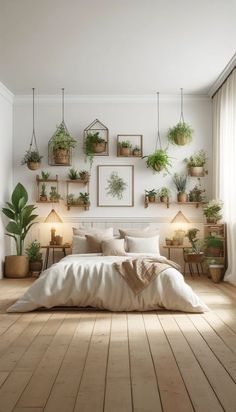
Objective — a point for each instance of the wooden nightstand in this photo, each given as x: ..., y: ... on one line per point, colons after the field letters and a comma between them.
x: 53, y: 247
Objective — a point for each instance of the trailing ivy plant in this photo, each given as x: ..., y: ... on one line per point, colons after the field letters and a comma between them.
x: 159, y: 160
x: 90, y: 141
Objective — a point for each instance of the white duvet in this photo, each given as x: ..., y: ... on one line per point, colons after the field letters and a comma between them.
x: 92, y: 280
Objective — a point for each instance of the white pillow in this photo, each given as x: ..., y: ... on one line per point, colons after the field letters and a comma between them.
x: 82, y: 231
x: 79, y: 245
x: 143, y: 244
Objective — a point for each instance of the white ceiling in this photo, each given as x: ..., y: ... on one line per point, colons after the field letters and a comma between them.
x: 115, y: 46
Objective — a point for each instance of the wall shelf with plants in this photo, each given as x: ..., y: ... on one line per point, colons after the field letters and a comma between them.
x: 129, y: 145
x: 75, y: 199
x: 161, y: 196
x: 45, y: 192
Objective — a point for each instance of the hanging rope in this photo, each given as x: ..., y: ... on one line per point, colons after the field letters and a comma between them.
x: 182, y: 106
x: 33, y: 138
x: 63, y: 104
x: 158, y: 139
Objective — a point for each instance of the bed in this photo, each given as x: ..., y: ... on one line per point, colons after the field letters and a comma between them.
x: 92, y: 280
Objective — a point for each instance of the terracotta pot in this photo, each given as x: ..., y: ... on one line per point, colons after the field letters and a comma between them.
x: 164, y: 199
x: 43, y: 198
x: 16, y: 266
x: 61, y: 156
x: 36, y: 266
x: 193, y: 257
x: 214, y: 251
x: 212, y: 220
x: 137, y: 153
x: 33, y: 165
x: 125, y: 151
x: 216, y: 272
x: 182, y: 197
x: 196, y: 171
x: 151, y: 199
x: 181, y: 139
x: 99, y: 147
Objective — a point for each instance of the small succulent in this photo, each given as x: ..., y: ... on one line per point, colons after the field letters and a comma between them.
x: 73, y: 174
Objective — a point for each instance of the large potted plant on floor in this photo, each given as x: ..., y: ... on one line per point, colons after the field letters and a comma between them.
x: 21, y: 220
x: 212, y: 211
x: 194, y: 254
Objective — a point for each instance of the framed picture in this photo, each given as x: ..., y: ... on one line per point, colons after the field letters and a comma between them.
x: 115, y: 185
x: 129, y: 145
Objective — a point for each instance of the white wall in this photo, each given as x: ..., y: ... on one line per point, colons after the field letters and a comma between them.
x: 121, y: 115
x: 6, y: 122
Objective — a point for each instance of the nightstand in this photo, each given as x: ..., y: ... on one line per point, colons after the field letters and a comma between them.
x: 53, y: 248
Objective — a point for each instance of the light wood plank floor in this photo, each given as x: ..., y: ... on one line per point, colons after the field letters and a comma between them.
x: 88, y: 361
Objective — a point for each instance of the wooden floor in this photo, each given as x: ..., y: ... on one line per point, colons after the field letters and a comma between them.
x: 64, y: 361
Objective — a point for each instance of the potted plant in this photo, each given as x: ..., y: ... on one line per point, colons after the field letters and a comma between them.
x: 151, y: 195
x: 84, y: 175
x: 34, y: 256
x: 195, y: 253
x: 83, y: 199
x: 125, y: 148
x: 196, y: 163
x: 215, y: 270
x: 168, y: 241
x: 180, y: 182
x: 43, y: 194
x: 164, y: 194
x: 33, y: 159
x: 21, y: 219
x: 157, y: 161
x: 181, y: 134
x: 62, y: 143
x: 212, y: 211
x: 54, y: 195
x: 137, y: 151
x: 73, y: 174
x: 71, y: 199
x: 45, y: 175
x: 197, y: 194
x: 214, y: 246
x: 94, y: 144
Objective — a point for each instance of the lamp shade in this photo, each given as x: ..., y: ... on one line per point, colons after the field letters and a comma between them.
x: 179, y: 218
x: 53, y: 217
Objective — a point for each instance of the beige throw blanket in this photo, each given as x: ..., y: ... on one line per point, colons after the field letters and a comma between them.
x: 140, y: 272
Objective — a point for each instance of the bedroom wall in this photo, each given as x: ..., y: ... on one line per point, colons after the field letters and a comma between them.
x: 122, y: 115
x: 6, y: 121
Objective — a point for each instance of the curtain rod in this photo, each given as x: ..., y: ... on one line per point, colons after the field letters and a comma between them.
x: 222, y: 84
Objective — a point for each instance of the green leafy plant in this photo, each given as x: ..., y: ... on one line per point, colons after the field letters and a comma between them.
x: 43, y: 192
x: 196, y: 244
x: 197, y: 194
x: 199, y: 159
x: 115, y: 186
x: 137, y: 148
x: 158, y: 160
x: 21, y: 217
x: 180, y: 182
x: 214, y: 241
x: 151, y: 193
x: 164, y: 192
x: 90, y: 141
x: 84, y: 197
x: 62, y: 140
x: 180, y: 134
x: 213, y: 209
x: 45, y: 175
x: 31, y: 156
x: 84, y: 175
x: 73, y: 174
x: 54, y: 195
x: 33, y: 251
x: 126, y: 144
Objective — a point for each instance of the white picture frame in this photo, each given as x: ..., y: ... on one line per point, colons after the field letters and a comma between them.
x: 115, y: 185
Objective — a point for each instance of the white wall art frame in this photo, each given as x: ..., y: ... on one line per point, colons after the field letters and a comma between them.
x: 115, y: 185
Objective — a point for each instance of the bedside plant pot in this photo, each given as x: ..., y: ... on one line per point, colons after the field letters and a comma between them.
x: 61, y: 156
x: 33, y: 165
x: 36, y: 266
x: 193, y: 257
x: 196, y: 171
x: 182, y: 197
x: 216, y: 272
x: 99, y: 147
x: 125, y: 151
x: 181, y: 139
x: 16, y: 266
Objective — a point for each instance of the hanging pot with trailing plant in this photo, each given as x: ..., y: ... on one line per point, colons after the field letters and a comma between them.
x: 32, y: 157
x: 159, y: 160
x: 181, y: 134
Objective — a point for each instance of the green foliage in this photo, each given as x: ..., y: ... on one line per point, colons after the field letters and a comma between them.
x: 197, y: 194
x: 151, y: 193
x: 213, y: 209
x: 158, y: 160
x: 73, y: 174
x: 45, y: 175
x: 137, y: 148
x: 43, y: 192
x: 182, y: 130
x: 164, y: 192
x: 196, y: 244
x: 31, y: 156
x: 33, y: 251
x: 116, y: 186
x: 21, y: 217
x: 84, y: 197
x: 180, y: 182
x: 91, y: 139
x: 197, y: 160
x: 126, y: 144
x: 54, y: 195
x: 62, y: 139
x: 214, y: 241
x: 84, y: 175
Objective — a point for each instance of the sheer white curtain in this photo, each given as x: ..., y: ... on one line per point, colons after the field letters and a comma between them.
x: 224, y: 162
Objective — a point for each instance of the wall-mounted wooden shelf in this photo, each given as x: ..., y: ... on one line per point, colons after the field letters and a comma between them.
x: 157, y: 202
x: 84, y: 183
x: 46, y: 182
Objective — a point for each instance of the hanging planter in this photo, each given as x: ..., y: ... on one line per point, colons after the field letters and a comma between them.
x: 159, y: 159
x: 181, y: 134
x: 32, y: 157
x: 61, y: 144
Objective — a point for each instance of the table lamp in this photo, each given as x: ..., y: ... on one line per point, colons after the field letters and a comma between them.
x: 180, y: 221
x: 53, y: 217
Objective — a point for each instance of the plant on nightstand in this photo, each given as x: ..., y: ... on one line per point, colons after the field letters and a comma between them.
x: 35, y: 256
x: 196, y: 163
x: 43, y: 194
x: 151, y: 195
x: 125, y: 148
x: 194, y: 254
x: 164, y: 194
x: 21, y: 220
x: 180, y: 182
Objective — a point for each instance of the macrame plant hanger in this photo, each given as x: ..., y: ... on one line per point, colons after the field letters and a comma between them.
x: 33, y: 140
x: 181, y: 120
x: 158, y: 138
x: 63, y: 109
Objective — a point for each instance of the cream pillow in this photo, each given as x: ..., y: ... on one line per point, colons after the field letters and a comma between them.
x: 79, y: 245
x: 113, y: 247
x: 94, y: 242
x: 146, y: 232
x: 82, y: 231
x: 143, y: 244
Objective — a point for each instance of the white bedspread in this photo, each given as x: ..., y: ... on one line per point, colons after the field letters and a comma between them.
x: 92, y: 280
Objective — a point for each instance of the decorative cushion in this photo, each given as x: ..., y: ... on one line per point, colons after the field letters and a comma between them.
x: 94, y: 242
x: 79, y: 245
x: 82, y: 231
x: 143, y: 244
x: 145, y: 232
x: 113, y: 247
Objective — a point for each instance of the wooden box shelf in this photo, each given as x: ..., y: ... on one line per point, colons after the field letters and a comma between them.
x: 40, y: 182
x: 84, y: 183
